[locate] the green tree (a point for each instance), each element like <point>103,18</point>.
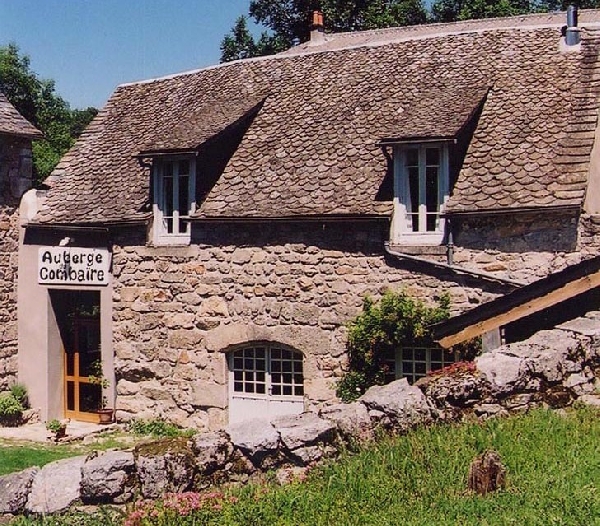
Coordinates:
<point>39,103</point>
<point>453,10</point>
<point>288,21</point>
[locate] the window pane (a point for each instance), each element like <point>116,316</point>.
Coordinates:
<point>71,396</point>
<point>260,388</point>
<point>184,201</point>
<point>420,354</point>
<point>168,170</point>
<point>431,197</point>
<point>432,156</point>
<point>184,226</point>
<point>413,188</point>
<point>412,157</point>
<point>184,167</point>
<point>168,196</point>
<point>276,390</point>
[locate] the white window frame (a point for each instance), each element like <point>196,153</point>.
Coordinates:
<point>161,236</point>
<point>402,228</point>
<point>271,389</point>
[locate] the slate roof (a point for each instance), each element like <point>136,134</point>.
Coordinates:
<point>320,114</point>
<point>13,123</point>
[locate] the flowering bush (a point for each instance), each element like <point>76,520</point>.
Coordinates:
<point>198,507</point>
<point>454,369</point>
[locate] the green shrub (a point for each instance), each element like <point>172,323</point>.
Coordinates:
<point>374,335</point>
<point>19,391</point>
<point>158,428</point>
<point>11,410</point>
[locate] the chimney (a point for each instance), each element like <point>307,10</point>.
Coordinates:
<point>573,33</point>
<point>317,35</point>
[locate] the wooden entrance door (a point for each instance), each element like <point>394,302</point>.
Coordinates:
<point>82,398</point>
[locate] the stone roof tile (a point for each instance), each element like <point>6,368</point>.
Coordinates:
<point>13,123</point>
<point>314,140</point>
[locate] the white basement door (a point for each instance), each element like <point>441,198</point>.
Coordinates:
<point>265,381</point>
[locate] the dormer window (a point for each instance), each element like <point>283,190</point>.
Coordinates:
<point>421,188</point>
<point>174,199</point>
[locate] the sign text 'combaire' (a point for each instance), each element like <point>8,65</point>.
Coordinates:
<point>73,266</point>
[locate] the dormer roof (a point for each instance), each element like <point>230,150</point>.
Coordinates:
<point>317,118</point>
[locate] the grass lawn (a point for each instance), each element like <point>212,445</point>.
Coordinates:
<point>553,463</point>
<point>16,455</point>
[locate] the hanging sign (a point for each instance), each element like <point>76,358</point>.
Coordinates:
<point>73,266</point>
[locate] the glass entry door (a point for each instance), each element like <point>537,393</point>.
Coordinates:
<point>78,318</point>
<point>82,359</point>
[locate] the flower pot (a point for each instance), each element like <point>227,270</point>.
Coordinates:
<point>105,416</point>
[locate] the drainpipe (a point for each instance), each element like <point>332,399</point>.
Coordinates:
<point>455,268</point>
<point>573,33</point>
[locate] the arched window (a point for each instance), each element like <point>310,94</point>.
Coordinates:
<point>265,380</point>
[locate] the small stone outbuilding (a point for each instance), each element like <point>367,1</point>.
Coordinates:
<point>16,135</point>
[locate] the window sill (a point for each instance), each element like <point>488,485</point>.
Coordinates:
<point>175,241</point>
<point>415,249</point>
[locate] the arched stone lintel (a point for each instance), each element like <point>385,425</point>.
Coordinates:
<point>302,339</point>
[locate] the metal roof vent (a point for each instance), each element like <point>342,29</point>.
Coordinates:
<point>573,33</point>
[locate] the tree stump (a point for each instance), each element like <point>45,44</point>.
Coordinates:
<point>487,473</point>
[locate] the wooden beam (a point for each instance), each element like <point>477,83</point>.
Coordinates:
<point>532,306</point>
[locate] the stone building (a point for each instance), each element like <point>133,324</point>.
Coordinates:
<point>212,232</point>
<point>16,134</point>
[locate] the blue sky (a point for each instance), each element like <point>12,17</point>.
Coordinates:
<point>89,47</point>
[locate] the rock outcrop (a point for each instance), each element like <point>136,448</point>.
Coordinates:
<point>553,368</point>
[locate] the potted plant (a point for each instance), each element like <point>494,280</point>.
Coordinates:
<point>96,377</point>
<point>58,428</point>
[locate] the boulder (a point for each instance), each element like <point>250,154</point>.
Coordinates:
<point>505,372</point>
<point>258,440</point>
<point>550,355</point>
<point>457,390</point>
<point>212,451</point>
<point>108,477</point>
<point>56,486</point>
<point>306,436</point>
<point>166,466</point>
<point>352,421</point>
<point>14,490</point>
<point>403,405</point>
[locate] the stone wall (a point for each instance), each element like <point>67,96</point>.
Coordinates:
<point>15,179</point>
<point>177,310</point>
<point>521,247</point>
<point>551,369</point>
